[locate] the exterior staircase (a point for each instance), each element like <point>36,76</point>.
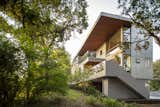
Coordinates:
<point>138,85</point>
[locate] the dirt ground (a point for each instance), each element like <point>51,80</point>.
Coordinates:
<point>149,105</point>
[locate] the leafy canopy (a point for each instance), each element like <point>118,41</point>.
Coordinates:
<point>42,19</point>
<point>13,65</point>
<point>145,14</point>
<point>41,26</point>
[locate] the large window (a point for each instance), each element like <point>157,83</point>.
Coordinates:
<point>126,48</point>
<point>115,39</point>
<point>127,36</point>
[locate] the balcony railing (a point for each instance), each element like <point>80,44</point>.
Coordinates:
<point>98,70</point>
<point>88,54</point>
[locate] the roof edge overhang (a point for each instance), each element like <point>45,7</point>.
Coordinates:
<point>115,16</point>
<point>98,22</point>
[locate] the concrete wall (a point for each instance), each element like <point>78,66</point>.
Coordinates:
<point>137,85</point>
<point>114,88</point>
<point>141,58</point>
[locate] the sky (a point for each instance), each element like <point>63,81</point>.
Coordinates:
<point>93,10</point>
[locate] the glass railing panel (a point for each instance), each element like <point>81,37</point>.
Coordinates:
<point>98,70</point>
<point>91,54</point>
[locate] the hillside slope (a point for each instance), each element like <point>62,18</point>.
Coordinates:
<point>75,98</point>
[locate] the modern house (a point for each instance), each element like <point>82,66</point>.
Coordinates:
<point>120,57</point>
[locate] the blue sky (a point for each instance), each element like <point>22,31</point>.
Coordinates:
<point>93,10</point>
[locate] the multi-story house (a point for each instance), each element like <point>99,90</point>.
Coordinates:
<point>120,56</point>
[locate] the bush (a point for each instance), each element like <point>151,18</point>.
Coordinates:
<point>92,91</point>
<point>87,88</point>
<point>92,101</point>
<point>96,99</point>
<point>109,102</point>
<point>80,76</point>
<point>106,102</point>
<point>154,85</point>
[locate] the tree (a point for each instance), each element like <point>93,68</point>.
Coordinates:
<point>54,73</point>
<point>41,26</point>
<point>155,83</point>
<point>53,19</point>
<point>12,69</point>
<point>144,14</point>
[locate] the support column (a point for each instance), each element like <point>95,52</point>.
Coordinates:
<point>105,86</point>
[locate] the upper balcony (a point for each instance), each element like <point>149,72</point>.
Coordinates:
<point>98,70</point>
<point>89,58</point>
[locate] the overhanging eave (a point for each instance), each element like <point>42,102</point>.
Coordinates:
<point>106,26</point>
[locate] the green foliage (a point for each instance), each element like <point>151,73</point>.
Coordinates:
<point>75,98</point>
<point>156,69</point>
<point>87,88</point>
<point>12,70</point>
<point>52,75</point>
<point>92,100</point>
<point>41,27</point>
<point>80,76</point>
<point>118,59</point>
<point>45,76</point>
<point>155,83</point>
<point>78,81</point>
<point>144,14</point>
<point>53,19</point>
<point>5,27</point>
<point>74,94</point>
<point>92,91</point>
<point>107,102</point>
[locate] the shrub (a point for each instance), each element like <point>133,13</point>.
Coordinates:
<point>92,100</point>
<point>87,88</point>
<point>109,102</point>
<point>106,102</point>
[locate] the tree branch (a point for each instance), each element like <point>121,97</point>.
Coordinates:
<point>152,34</point>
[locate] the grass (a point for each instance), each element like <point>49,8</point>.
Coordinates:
<point>75,98</point>
<point>96,101</point>
<point>74,94</point>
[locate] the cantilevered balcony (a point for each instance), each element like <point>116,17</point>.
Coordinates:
<point>112,70</point>
<point>89,58</point>
<point>98,70</point>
